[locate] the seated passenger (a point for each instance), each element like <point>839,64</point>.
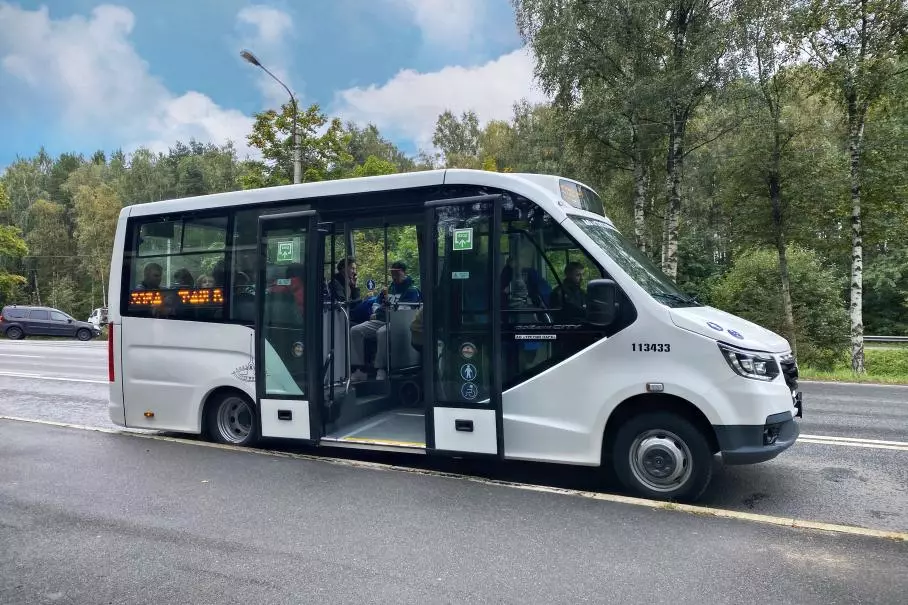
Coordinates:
<point>570,298</point>
<point>151,277</point>
<point>401,290</point>
<point>183,278</point>
<point>296,274</point>
<point>343,286</point>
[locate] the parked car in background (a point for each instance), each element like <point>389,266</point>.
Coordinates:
<point>17,322</point>
<point>98,317</point>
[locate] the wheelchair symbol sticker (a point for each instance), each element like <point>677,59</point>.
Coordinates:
<point>468,372</point>
<point>469,391</point>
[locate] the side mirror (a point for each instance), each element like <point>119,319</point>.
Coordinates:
<point>70,320</point>
<point>602,302</point>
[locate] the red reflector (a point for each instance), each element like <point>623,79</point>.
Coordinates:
<point>110,351</point>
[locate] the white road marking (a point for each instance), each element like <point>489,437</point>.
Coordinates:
<point>855,439</point>
<point>657,504</point>
<point>57,378</point>
<point>853,384</point>
<point>876,446</point>
<point>17,355</point>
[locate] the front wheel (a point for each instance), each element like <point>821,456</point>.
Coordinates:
<point>232,420</point>
<point>83,334</point>
<point>663,456</point>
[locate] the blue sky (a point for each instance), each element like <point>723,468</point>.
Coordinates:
<point>81,75</point>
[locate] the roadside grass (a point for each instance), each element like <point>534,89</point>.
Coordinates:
<point>883,366</point>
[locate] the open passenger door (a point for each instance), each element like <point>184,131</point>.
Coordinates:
<point>288,334</point>
<point>462,326</point>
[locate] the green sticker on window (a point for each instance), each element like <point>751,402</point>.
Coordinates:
<point>285,252</point>
<point>463,239</point>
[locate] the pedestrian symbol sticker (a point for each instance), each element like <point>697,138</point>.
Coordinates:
<point>285,251</point>
<point>370,285</point>
<point>468,372</point>
<point>463,239</point>
<point>467,350</point>
<point>469,391</point>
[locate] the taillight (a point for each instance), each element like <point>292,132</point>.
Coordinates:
<point>110,349</point>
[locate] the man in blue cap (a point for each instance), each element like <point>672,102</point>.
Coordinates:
<point>402,290</point>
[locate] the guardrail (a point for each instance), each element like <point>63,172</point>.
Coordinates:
<point>886,338</point>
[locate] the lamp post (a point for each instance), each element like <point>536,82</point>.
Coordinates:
<point>297,166</point>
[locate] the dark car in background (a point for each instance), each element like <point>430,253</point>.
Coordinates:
<point>17,322</point>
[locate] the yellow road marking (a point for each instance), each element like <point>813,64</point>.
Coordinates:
<point>603,497</point>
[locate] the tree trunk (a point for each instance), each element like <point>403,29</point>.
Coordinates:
<point>855,140</point>
<point>641,181</point>
<point>778,221</point>
<point>673,185</point>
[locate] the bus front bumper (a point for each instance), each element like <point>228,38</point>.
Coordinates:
<point>751,444</point>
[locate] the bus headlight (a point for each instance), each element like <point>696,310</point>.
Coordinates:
<point>751,364</point>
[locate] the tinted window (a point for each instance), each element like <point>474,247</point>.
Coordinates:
<point>57,316</point>
<point>38,314</point>
<point>178,269</point>
<point>14,313</point>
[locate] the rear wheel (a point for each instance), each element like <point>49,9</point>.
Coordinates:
<point>232,420</point>
<point>15,333</point>
<point>663,456</point>
<point>83,334</point>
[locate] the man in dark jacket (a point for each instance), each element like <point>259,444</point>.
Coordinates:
<point>402,290</point>
<point>343,286</point>
<point>569,299</point>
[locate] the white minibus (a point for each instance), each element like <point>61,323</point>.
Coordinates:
<point>445,312</point>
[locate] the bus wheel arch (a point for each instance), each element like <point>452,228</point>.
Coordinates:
<point>229,416</point>
<point>660,446</point>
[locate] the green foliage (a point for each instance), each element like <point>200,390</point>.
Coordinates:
<point>752,289</point>
<point>886,294</point>
<point>321,155</point>
<point>374,166</point>
<point>12,249</point>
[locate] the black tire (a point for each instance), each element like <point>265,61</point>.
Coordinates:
<point>15,333</point>
<point>83,334</point>
<point>232,420</point>
<point>662,440</point>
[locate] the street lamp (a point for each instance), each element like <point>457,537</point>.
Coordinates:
<point>297,167</point>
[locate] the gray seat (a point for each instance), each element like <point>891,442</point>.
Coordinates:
<point>403,355</point>
<point>336,320</point>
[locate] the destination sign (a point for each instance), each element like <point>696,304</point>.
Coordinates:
<point>188,296</point>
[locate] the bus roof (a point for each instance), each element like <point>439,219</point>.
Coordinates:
<point>558,195</point>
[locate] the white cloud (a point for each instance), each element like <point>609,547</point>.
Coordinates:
<point>448,23</point>
<point>89,68</point>
<point>265,31</point>
<point>409,104</point>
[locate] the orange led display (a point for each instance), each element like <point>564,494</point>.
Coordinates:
<point>187,296</point>
<point>145,297</point>
<point>201,297</point>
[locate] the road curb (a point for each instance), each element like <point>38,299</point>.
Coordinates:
<point>603,497</point>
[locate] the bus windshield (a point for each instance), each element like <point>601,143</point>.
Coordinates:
<point>635,263</point>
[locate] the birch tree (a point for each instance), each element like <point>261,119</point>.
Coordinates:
<point>660,58</point>
<point>857,44</point>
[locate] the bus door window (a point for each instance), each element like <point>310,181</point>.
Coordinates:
<point>543,321</point>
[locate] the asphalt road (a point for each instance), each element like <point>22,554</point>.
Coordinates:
<point>853,483</point>
<point>102,518</point>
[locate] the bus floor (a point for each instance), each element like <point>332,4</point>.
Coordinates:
<point>401,427</point>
